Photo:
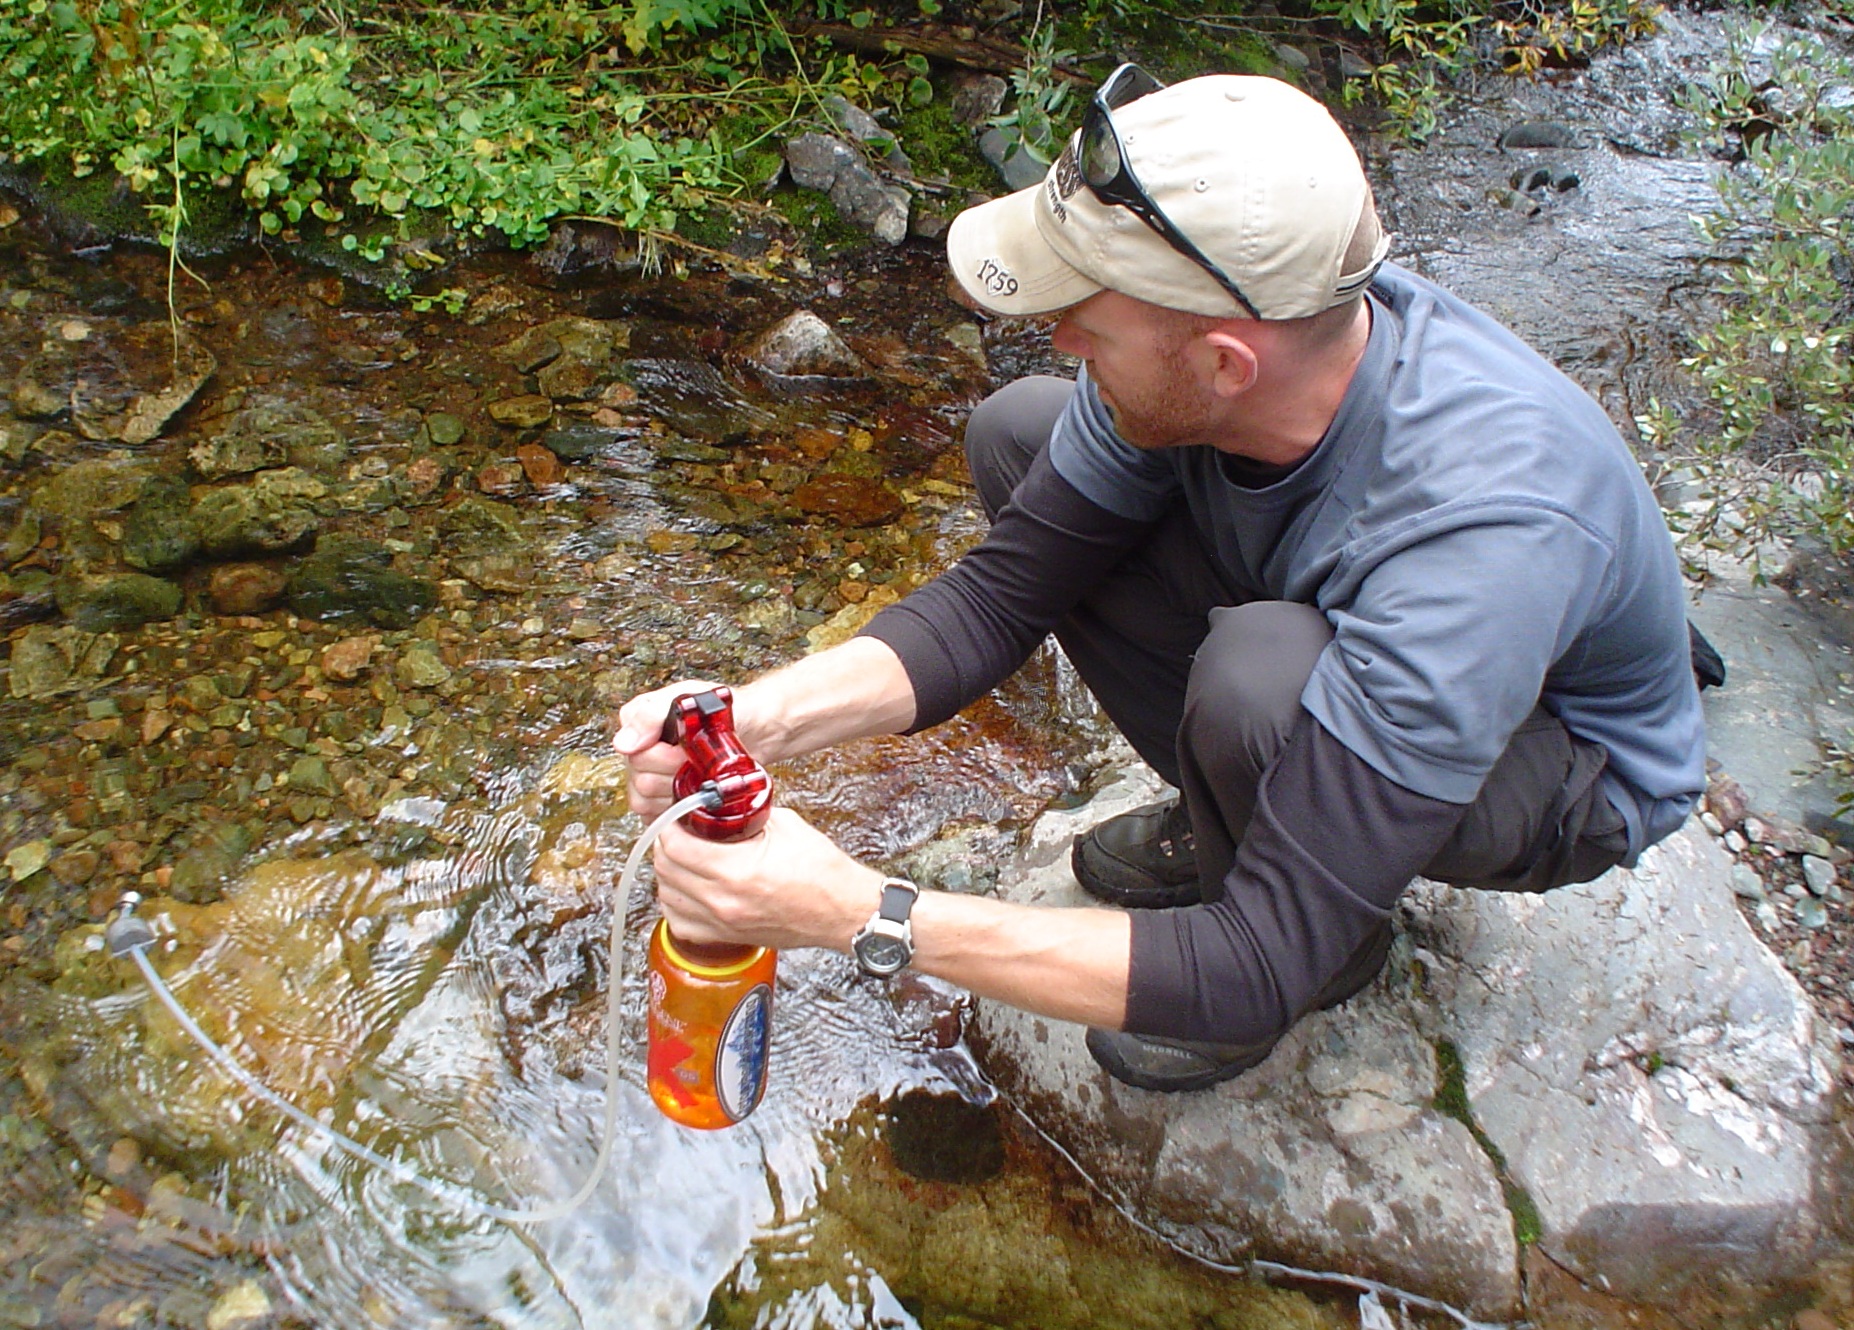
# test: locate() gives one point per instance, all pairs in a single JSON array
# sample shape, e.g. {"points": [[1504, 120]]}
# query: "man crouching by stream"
{"points": [[1376, 588]]}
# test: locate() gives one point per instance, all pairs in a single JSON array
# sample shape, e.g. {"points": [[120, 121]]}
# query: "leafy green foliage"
{"points": [[1424, 44], [1044, 105], [1537, 35], [497, 121], [371, 122], [1778, 453]]}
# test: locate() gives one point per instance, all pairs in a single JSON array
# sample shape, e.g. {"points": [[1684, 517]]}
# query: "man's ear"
{"points": [[1237, 365]]}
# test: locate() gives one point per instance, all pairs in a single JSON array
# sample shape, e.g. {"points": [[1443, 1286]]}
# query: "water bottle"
{"points": [[710, 1006]]}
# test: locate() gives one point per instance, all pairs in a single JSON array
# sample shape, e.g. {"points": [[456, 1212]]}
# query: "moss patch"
{"points": [[1451, 1099], [816, 219], [943, 149]]}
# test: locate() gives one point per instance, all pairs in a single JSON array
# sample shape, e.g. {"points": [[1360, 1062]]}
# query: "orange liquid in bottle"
{"points": [[710, 1024]]}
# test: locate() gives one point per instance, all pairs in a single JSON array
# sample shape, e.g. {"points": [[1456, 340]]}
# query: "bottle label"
{"points": [[740, 1053]]}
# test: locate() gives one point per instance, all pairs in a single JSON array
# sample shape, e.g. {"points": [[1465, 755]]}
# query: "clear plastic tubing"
{"points": [[443, 1191]]}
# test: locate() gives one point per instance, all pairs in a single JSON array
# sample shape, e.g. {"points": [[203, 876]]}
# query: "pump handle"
{"points": [[702, 724]]}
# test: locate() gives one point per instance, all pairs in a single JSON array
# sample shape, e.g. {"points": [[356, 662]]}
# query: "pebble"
{"points": [[1712, 823], [420, 666], [124, 1155], [245, 1304], [25, 860], [1818, 873], [1734, 842], [525, 412], [444, 429], [344, 661], [1811, 913], [540, 465]]}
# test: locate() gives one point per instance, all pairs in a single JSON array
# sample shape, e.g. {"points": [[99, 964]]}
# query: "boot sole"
{"points": [[1130, 898]]}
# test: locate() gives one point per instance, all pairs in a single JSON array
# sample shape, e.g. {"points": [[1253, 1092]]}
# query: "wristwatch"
{"points": [[885, 944]]}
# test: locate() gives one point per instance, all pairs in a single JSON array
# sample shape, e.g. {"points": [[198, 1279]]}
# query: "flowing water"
{"points": [[385, 885]]}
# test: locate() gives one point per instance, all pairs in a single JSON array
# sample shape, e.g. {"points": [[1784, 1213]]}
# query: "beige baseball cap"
{"points": [[1256, 173]]}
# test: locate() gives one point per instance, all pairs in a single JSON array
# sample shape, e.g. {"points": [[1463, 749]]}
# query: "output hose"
{"points": [[130, 935]]}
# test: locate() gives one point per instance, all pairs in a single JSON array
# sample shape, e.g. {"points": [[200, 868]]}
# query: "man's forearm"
{"points": [[851, 691], [1068, 964]]}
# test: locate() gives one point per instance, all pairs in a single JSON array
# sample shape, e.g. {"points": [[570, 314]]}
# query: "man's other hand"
{"points": [[653, 763], [788, 885]]}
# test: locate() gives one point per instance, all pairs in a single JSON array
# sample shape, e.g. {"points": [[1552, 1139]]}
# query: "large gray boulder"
{"points": [[1655, 1078], [1652, 1078]]}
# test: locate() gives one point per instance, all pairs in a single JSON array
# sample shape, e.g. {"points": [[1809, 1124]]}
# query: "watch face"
{"points": [[883, 954]]}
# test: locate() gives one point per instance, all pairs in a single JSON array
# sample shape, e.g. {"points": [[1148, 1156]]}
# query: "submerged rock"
{"points": [[269, 434], [848, 500], [802, 345], [111, 398], [349, 578], [246, 588], [270, 515], [109, 602], [48, 660], [159, 535], [93, 487]]}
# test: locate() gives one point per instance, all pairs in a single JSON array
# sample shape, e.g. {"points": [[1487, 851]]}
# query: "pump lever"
{"points": [[702, 725]]}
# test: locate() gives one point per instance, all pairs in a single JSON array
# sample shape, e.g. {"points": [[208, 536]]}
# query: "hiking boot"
{"points": [[1149, 1062], [1144, 860]]}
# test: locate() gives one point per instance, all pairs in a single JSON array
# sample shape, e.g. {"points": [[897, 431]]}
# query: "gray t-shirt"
{"points": [[1481, 540]]}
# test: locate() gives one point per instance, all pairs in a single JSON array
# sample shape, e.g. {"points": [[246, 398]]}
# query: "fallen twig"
{"points": [[975, 52]]}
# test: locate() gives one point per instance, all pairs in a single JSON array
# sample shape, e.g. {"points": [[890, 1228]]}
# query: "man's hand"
{"points": [[788, 885], [653, 763]]}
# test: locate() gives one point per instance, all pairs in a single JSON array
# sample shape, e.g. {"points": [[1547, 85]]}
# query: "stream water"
{"points": [[380, 846], [379, 825]]}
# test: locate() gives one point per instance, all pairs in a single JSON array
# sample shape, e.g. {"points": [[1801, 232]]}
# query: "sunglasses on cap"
{"points": [[1104, 169]]}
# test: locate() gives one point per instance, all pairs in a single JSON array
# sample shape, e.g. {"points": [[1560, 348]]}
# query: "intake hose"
{"points": [[130, 935]]}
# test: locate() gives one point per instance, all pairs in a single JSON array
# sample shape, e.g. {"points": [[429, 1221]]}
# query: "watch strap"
{"points": [[898, 897]]}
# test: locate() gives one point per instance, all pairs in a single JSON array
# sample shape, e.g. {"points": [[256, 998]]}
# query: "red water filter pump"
{"points": [[710, 1011]]}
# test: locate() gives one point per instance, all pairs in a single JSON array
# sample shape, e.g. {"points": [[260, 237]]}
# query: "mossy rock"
{"points": [[479, 523], [159, 535], [347, 578], [111, 602], [92, 487], [104, 204], [241, 521]]}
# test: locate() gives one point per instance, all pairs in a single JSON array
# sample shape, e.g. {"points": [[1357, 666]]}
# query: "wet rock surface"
{"points": [[1330, 1155], [1645, 1082]]}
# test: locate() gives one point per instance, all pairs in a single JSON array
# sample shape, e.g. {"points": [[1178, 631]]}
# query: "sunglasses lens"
{"points": [[1100, 152]]}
